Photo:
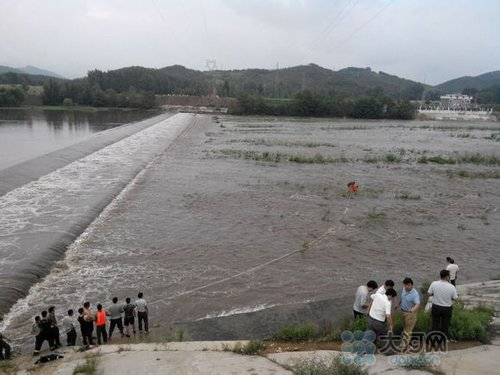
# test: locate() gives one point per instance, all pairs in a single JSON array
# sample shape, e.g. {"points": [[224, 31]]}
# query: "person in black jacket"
{"points": [[4, 348], [44, 334]]}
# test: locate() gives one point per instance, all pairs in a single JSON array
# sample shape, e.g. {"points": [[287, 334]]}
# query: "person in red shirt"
{"points": [[100, 324], [352, 186]]}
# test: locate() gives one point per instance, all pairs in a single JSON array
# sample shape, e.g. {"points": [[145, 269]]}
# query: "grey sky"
{"points": [[429, 41]]}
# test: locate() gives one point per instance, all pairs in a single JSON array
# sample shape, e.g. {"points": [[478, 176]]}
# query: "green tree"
{"points": [[11, 97], [306, 104], [52, 93], [471, 91], [98, 97], [367, 107]]}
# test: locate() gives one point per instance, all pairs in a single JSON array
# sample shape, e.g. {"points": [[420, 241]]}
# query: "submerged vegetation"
{"points": [[271, 143], [279, 157], [476, 158], [390, 158]]}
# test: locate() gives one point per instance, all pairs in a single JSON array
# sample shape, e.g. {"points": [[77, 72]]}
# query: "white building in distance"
{"points": [[455, 101]]}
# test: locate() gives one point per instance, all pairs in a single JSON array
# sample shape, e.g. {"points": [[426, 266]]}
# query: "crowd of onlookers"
{"points": [[377, 306], [120, 315]]}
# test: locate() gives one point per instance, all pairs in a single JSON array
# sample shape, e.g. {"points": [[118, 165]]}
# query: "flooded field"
{"points": [[241, 214]]}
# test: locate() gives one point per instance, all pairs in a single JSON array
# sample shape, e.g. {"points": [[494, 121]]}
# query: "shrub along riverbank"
{"points": [[308, 104], [467, 324]]}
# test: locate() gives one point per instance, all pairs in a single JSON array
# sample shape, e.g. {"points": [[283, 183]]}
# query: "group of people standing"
{"points": [[121, 316], [377, 306]]}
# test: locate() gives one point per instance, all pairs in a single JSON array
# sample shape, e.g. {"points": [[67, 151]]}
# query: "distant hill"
{"points": [[8, 69], [174, 79], [29, 69], [287, 81], [33, 70], [282, 83], [479, 82]]}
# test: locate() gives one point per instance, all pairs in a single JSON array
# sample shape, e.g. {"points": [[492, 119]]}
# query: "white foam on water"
{"points": [[40, 198], [55, 194], [238, 310]]}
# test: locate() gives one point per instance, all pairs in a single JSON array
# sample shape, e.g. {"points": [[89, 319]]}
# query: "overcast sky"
{"points": [[428, 41]]}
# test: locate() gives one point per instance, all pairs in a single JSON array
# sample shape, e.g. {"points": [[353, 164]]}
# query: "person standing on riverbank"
{"points": [[129, 318], [142, 312], [100, 325], [44, 334], [379, 314], [115, 313], [389, 284], [54, 328], [443, 294], [453, 268], [4, 347], [68, 323], [362, 300], [88, 318], [83, 327], [409, 303]]}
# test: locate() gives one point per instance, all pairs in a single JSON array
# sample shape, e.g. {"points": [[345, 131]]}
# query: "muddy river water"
{"points": [[235, 215]]}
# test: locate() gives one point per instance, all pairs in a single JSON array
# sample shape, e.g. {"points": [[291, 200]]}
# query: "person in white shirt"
{"points": [[453, 268], [68, 323], [142, 312], [361, 300], [389, 284], [443, 294], [379, 313]]}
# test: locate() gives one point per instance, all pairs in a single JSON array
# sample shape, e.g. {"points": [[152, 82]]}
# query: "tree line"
{"points": [[137, 86], [56, 92], [11, 96], [307, 103]]}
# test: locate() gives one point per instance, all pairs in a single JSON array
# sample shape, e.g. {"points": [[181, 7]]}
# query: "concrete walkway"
{"points": [[204, 358]]}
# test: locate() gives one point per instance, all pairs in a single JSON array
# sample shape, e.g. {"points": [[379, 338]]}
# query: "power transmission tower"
{"points": [[212, 67], [276, 81]]}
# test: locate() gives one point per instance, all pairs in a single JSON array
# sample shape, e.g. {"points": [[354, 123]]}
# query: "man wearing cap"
{"points": [[409, 303], [443, 294]]}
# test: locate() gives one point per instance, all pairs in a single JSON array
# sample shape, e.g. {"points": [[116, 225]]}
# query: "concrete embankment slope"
{"points": [[213, 357]]}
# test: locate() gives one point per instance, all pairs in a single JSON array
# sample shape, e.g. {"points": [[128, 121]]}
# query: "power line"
{"points": [[355, 31], [165, 22]]}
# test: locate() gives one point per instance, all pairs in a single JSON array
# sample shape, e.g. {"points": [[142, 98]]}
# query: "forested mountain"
{"points": [[479, 82], [19, 78], [288, 81], [104, 86], [29, 69], [174, 79], [7, 69]]}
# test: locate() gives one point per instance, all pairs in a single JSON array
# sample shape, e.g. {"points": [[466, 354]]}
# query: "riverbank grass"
{"points": [[87, 368], [333, 366]]}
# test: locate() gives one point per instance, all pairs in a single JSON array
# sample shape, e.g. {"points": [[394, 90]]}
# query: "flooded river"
{"points": [[213, 218]]}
